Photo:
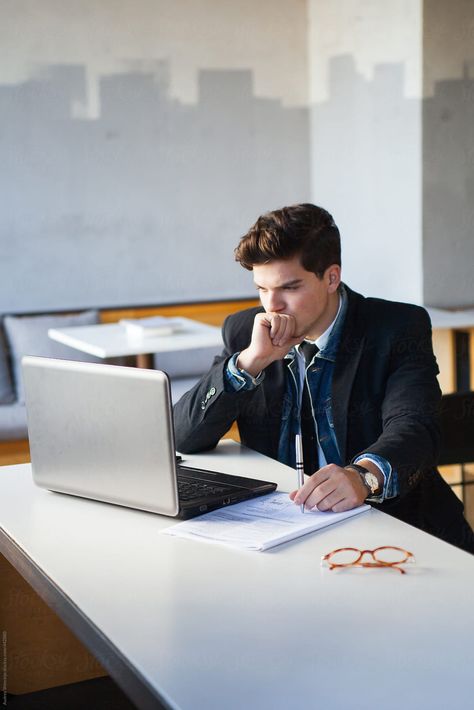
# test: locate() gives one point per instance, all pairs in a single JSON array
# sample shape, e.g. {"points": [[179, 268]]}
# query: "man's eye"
{"points": [[291, 288]]}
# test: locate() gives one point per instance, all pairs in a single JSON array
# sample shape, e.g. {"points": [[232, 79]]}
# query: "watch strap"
{"points": [[362, 471]]}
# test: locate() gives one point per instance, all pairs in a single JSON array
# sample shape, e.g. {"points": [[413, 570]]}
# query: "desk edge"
{"points": [[130, 680]]}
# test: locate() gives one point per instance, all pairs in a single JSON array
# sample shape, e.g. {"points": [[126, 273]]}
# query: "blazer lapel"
{"points": [[347, 362]]}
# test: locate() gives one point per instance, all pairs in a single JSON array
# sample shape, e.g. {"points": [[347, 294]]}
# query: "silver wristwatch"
{"points": [[370, 479]]}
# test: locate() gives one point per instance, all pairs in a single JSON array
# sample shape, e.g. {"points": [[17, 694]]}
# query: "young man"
{"points": [[356, 376]]}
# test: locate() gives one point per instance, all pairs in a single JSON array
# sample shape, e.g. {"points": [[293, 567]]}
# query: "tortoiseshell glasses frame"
{"points": [[385, 556]]}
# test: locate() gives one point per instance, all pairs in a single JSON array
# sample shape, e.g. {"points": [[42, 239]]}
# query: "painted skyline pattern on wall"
{"points": [[377, 143], [448, 189], [145, 204], [366, 169]]}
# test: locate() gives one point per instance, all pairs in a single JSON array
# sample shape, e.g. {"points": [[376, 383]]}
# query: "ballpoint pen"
{"points": [[299, 463]]}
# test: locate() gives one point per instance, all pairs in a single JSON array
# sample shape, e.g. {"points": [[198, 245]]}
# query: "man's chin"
{"points": [[305, 335], [301, 331]]}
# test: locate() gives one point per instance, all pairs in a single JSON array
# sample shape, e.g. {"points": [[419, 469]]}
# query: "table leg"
{"points": [[145, 360], [39, 651]]}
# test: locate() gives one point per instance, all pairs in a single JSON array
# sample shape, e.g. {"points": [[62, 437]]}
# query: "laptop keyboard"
{"points": [[190, 489]]}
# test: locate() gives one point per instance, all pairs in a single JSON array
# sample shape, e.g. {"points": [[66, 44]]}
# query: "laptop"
{"points": [[105, 432]]}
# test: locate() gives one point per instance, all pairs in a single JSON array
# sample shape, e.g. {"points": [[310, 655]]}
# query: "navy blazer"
{"points": [[385, 400]]}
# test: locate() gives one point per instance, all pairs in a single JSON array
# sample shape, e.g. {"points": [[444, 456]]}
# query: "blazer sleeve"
{"points": [[205, 413], [410, 435]]}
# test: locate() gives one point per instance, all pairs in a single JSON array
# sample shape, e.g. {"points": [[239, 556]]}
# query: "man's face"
{"points": [[286, 287]]}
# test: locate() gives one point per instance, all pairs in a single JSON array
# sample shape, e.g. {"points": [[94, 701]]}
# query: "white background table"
{"points": [[202, 626], [461, 318], [110, 339]]}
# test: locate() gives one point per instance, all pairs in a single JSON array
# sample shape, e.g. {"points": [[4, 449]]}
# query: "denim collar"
{"points": [[329, 352]]}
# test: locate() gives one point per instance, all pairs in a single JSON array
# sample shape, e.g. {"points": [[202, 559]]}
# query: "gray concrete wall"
{"points": [[138, 140], [365, 63], [448, 153]]}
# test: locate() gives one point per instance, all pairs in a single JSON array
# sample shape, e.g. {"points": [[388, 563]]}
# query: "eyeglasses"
{"points": [[386, 556]]}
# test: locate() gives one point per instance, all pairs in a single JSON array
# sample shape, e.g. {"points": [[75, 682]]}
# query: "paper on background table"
{"points": [[151, 327], [258, 524]]}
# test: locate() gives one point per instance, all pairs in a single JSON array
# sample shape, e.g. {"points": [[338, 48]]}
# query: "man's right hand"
{"points": [[273, 336]]}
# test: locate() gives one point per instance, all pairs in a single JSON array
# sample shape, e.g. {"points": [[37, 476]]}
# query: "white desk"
{"points": [[110, 339], [198, 626]]}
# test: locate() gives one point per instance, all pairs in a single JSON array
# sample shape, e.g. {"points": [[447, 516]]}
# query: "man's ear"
{"points": [[333, 276]]}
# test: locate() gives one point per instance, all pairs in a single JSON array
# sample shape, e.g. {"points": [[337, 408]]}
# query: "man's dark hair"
{"points": [[305, 230]]}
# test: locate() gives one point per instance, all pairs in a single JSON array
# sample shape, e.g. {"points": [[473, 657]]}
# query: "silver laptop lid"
{"points": [[102, 431]]}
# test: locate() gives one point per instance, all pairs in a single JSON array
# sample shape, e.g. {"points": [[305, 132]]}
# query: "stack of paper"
{"points": [[150, 327], [258, 524]]}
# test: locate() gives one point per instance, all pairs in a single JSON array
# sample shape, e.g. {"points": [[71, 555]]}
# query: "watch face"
{"points": [[371, 481]]}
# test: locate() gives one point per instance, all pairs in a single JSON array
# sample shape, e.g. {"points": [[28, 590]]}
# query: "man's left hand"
{"points": [[331, 488]]}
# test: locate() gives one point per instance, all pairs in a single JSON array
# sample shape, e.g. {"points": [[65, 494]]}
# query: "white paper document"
{"points": [[152, 327], [258, 524]]}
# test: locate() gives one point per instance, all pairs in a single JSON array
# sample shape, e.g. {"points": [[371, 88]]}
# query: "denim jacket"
{"points": [[318, 376]]}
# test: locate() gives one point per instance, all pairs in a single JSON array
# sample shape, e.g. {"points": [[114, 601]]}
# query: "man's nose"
{"points": [[274, 302]]}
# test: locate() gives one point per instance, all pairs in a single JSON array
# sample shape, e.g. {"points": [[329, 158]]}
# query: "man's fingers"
{"points": [[330, 488], [324, 496], [329, 502], [342, 506], [312, 482], [282, 327], [279, 327], [274, 330]]}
